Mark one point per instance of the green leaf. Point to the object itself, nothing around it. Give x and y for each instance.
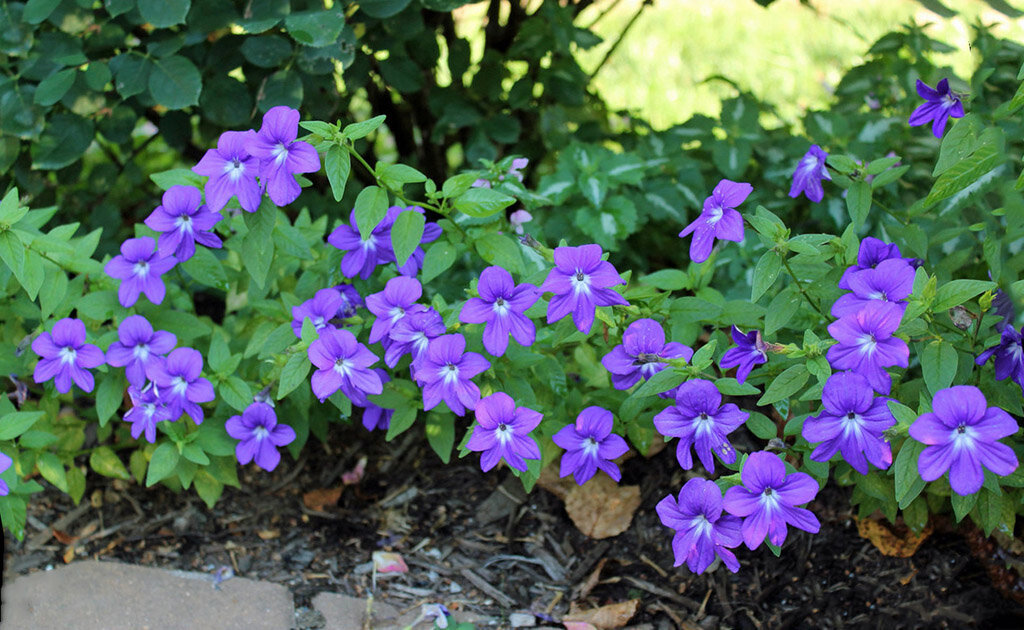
(34, 275)
(482, 202)
(398, 175)
(962, 505)
(109, 396)
(65, 139)
(362, 129)
(498, 249)
(208, 488)
(266, 51)
(17, 422)
(36, 11)
(52, 293)
(175, 82)
(732, 387)
(438, 258)
(383, 8)
(54, 87)
(162, 463)
(406, 234)
(959, 291)
(441, 434)
(957, 143)
(106, 462)
(315, 28)
(338, 165)
(195, 454)
(117, 7)
(661, 382)
(52, 469)
(762, 426)
(908, 482)
(667, 280)
(370, 209)
(858, 202)
(765, 273)
(13, 513)
(258, 244)
(76, 483)
(785, 384)
(177, 177)
(293, 374)
(12, 253)
(966, 172)
(939, 363)
(206, 269)
(781, 309)
(11, 210)
(401, 421)
(235, 392)
(131, 73)
(164, 13)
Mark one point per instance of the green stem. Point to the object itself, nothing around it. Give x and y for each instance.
(800, 287)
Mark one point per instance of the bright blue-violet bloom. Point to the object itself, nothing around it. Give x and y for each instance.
(350, 300)
(65, 357)
(940, 104)
(851, 423)
(390, 305)
(138, 347)
(147, 410)
(5, 463)
(871, 253)
(961, 433)
(183, 221)
(718, 220)
(702, 531)
(866, 345)
(502, 431)
(281, 156)
(699, 419)
(411, 267)
(1009, 354)
(324, 306)
(589, 445)
(891, 281)
(343, 363)
(500, 307)
(750, 350)
(260, 436)
(809, 174)
(768, 500)
(180, 385)
(232, 172)
(445, 371)
(362, 255)
(580, 283)
(139, 268)
(412, 335)
(375, 416)
(642, 354)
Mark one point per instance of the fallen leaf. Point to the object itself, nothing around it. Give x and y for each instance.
(558, 486)
(69, 554)
(610, 616)
(268, 534)
(895, 543)
(601, 508)
(63, 537)
(321, 497)
(592, 579)
(389, 562)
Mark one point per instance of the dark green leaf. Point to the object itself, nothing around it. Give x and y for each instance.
(858, 202)
(362, 129)
(939, 363)
(315, 28)
(293, 374)
(36, 11)
(54, 87)
(761, 426)
(785, 385)
(109, 396)
(162, 463)
(205, 268)
(235, 392)
(65, 139)
(667, 280)
(498, 249)
(962, 505)
(131, 73)
(258, 244)
(266, 51)
(661, 382)
(441, 434)
(164, 13)
(765, 273)
(117, 7)
(383, 8)
(959, 291)
(17, 422)
(401, 421)
(175, 82)
(908, 482)
(338, 165)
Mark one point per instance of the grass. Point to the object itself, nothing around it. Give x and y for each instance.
(787, 54)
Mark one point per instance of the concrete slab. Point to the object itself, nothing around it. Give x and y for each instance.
(347, 613)
(113, 596)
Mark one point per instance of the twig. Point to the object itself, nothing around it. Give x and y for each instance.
(492, 592)
(622, 35)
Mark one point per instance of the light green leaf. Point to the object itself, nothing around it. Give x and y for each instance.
(370, 208)
(939, 363)
(439, 257)
(17, 422)
(106, 462)
(406, 234)
(362, 129)
(162, 463)
(785, 384)
(858, 202)
(293, 374)
(765, 273)
(441, 434)
(338, 165)
(498, 249)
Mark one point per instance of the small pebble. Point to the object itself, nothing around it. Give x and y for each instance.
(522, 620)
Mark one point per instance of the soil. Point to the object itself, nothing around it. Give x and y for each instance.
(475, 542)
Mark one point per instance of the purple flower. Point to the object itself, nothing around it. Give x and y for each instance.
(891, 281)
(718, 220)
(768, 498)
(412, 334)
(281, 156)
(1009, 354)
(502, 431)
(940, 103)
(961, 434)
(852, 423)
(147, 410)
(180, 385)
(137, 348)
(320, 310)
(590, 444)
(431, 231)
(702, 531)
(139, 268)
(444, 374)
(362, 255)
(500, 307)
(809, 174)
(750, 350)
(641, 353)
(872, 252)
(375, 416)
(699, 419)
(260, 435)
(232, 172)
(580, 283)
(65, 357)
(390, 305)
(183, 221)
(518, 218)
(5, 463)
(866, 344)
(350, 300)
(343, 364)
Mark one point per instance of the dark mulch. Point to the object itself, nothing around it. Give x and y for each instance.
(526, 556)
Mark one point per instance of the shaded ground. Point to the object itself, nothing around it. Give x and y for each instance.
(477, 544)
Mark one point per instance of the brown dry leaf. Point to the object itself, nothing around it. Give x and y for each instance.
(321, 497)
(64, 538)
(896, 544)
(601, 508)
(558, 486)
(268, 534)
(69, 554)
(592, 579)
(610, 616)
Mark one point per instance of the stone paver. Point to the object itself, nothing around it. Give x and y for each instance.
(111, 596)
(346, 613)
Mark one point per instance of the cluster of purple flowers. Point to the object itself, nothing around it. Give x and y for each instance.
(363, 255)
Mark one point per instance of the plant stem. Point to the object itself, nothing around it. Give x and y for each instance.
(800, 287)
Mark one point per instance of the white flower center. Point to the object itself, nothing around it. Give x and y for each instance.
(260, 432)
(503, 433)
(280, 153)
(184, 223)
(500, 307)
(867, 344)
(420, 342)
(396, 313)
(715, 216)
(68, 354)
(701, 524)
(342, 366)
(580, 282)
(178, 386)
(590, 447)
(769, 498)
(704, 423)
(234, 169)
(449, 373)
(141, 268)
(141, 352)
